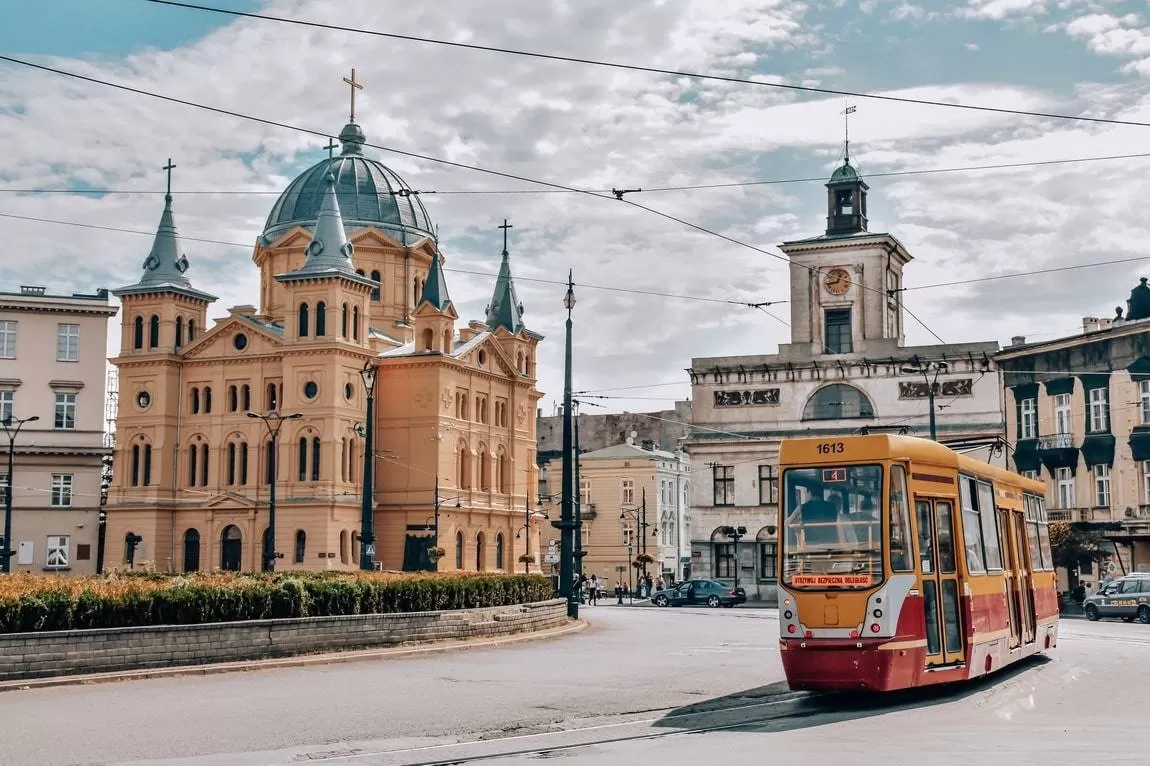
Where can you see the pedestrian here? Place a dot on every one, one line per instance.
(659, 585)
(593, 590)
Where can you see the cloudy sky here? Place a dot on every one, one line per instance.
(598, 128)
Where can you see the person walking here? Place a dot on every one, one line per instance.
(593, 590)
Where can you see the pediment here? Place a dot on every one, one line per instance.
(297, 237)
(493, 347)
(425, 309)
(220, 341)
(229, 501)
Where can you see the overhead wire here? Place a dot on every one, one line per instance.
(651, 69)
(628, 290)
(646, 189)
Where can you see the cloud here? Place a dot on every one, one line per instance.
(1126, 36)
(997, 10)
(593, 128)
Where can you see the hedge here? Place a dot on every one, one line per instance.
(38, 603)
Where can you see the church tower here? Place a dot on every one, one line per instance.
(435, 314)
(505, 315)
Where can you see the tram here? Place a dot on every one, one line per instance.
(903, 563)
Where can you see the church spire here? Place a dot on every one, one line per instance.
(505, 310)
(166, 265)
(435, 288)
(846, 192)
(329, 252)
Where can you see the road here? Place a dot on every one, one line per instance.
(640, 686)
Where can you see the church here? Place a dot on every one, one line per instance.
(267, 409)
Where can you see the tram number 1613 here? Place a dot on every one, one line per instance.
(832, 448)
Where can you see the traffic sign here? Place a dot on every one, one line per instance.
(551, 557)
(371, 549)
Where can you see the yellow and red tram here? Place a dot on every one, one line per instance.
(903, 563)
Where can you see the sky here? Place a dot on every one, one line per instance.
(600, 128)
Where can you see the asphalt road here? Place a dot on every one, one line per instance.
(640, 686)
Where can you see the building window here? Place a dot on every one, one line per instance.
(192, 550)
(300, 546)
(179, 331)
(1145, 482)
(203, 465)
(459, 550)
(343, 322)
(67, 343)
(243, 450)
(303, 458)
(4, 487)
(272, 398)
(1064, 481)
(246, 397)
(316, 451)
(138, 333)
(233, 398)
(136, 465)
(1099, 410)
(838, 331)
(628, 535)
(65, 412)
(194, 403)
(1102, 486)
(154, 332)
(1028, 419)
(499, 551)
(303, 320)
(191, 330)
(207, 399)
(7, 401)
(768, 561)
(724, 479)
(375, 291)
(585, 491)
(57, 552)
(1144, 388)
(768, 485)
(1031, 474)
(232, 463)
(147, 473)
(271, 470)
(8, 338)
(837, 401)
(724, 559)
(62, 490)
(355, 322)
(627, 491)
(1062, 421)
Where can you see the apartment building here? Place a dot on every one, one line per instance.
(52, 374)
(1078, 412)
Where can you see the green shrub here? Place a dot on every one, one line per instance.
(34, 603)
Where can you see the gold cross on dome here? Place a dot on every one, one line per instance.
(354, 87)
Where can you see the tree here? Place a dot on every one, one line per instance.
(1071, 545)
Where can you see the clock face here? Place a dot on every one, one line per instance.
(837, 281)
(143, 399)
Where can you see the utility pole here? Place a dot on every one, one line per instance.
(435, 539)
(566, 523)
(367, 512)
(578, 487)
(924, 369)
(12, 428)
(273, 421)
(643, 529)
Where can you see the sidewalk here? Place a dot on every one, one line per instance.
(646, 603)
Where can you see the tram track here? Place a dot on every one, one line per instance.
(578, 738)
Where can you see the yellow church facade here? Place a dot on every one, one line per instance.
(352, 289)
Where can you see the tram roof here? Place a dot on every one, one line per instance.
(879, 446)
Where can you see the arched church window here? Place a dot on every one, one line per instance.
(231, 463)
(243, 450)
(343, 322)
(428, 339)
(191, 330)
(135, 465)
(499, 551)
(355, 323)
(207, 399)
(415, 292)
(194, 404)
(316, 453)
(273, 399)
(246, 396)
(138, 333)
(320, 319)
(154, 332)
(147, 478)
(459, 550)
(838, 401)
(179, 331)
(303, 458)
(303, 320)
(300, 545)
(233, 398)
(203, 465)
(447, 341)
(375, 291)
(193, 454)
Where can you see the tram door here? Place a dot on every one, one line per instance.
(1023, 572)
(1010, 576)
(939, 576)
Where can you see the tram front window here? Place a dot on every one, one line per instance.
(832, 529)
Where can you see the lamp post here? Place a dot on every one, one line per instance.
(566, 523)
(12, 428)
(367, 517)
(736, 534)
(925, 368)
(577, 489)
(273, 421)
(526, 530)
(639, 514)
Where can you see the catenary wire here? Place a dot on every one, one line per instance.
(428, 158)
(645, 189)
(653, 70)
(563, 283)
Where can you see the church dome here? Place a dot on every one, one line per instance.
(844, 173)
(369, 194)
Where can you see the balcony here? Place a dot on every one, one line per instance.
(1056, 441)
(1059, 515)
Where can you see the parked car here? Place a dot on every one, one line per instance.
(697, 592)
(1127, 597)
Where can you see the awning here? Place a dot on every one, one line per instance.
(1140, 369)
(1098, 449)
(1140, 443)
(1061, 457)
(1059, 386)
(1092, 380)
(1026, 455)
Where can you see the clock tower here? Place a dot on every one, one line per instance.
(846, 284)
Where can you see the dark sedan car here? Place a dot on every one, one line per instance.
(713, 594)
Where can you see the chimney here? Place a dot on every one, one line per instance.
(1018, 340)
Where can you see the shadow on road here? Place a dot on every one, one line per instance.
(775, 707)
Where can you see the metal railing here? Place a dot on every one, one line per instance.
(1056, 441)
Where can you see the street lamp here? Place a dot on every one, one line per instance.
(566, 523)
(273, 421)
(924, 368)
(12, 428)
(526, 528)
(435, 543)
(736, 534)
(367, 517)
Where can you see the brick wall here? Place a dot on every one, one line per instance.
(76, 652)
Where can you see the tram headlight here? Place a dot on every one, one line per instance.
(878, 614)
(788, 614)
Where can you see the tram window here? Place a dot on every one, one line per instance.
(1044, 535)
(990, 537)
(901, 548)
(1032, 532)
(971, 527)
(946, 558)
(925, 546)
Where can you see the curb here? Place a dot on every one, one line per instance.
(299, 661)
